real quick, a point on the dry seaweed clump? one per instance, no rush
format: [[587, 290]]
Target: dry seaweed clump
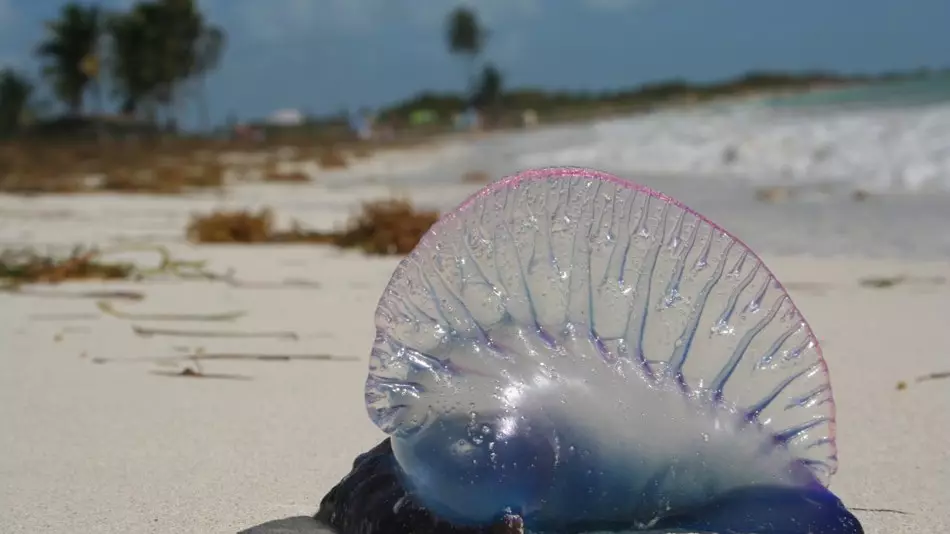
[[32, 169], [247, 227], [387, 227], [331, 158], [382, 227], [26, 266], [231, 227]]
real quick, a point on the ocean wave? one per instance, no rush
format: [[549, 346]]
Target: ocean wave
[[877, 149]]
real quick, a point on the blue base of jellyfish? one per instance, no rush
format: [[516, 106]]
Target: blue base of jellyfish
[[374, 499], [533, 473], [588, 354]]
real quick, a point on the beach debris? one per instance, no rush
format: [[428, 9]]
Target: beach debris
[[63, 316], [27, 266], [56, 294], [330, 158], [818, 288], [476, 177], [36, 168], [149, 332], [107, 308], [386, 227], [934, 376], [881, 282], [277, 173], [882, 511], [60, 335], [885, 282], [295, 177], [189, 372], [167, 265], [174, 166], [773, 194], [162, 177], [297, 283], [231, 227], [941, 375], [195, 370], [22, 267], [247, 227], [382, 227], [235, 356]]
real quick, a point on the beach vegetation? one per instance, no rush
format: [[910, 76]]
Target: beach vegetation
[[383, 227], [16, 93], [466, 38], [70, 53]]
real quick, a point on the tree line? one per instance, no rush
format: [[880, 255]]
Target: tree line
[[153, 58], [149, 59]]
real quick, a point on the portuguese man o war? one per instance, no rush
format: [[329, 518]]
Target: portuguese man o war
[[572, 352]]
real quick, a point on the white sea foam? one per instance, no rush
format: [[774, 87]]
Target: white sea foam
[[891, 148]]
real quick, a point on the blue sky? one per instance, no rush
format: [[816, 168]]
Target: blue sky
[[326, 55]]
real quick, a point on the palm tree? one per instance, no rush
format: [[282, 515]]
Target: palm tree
[[159, 46], [70, 53], [489, 89], [132, 61], [179, 26], [466, 38], [15, 94], [211, 44]]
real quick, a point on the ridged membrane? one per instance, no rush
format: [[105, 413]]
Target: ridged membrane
[[649, 349]]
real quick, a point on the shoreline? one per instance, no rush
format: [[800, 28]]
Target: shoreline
[[817, 221]]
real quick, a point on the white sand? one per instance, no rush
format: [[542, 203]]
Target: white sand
[[115, 447]]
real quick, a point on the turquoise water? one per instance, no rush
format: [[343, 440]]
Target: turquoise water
[[922, 91]]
